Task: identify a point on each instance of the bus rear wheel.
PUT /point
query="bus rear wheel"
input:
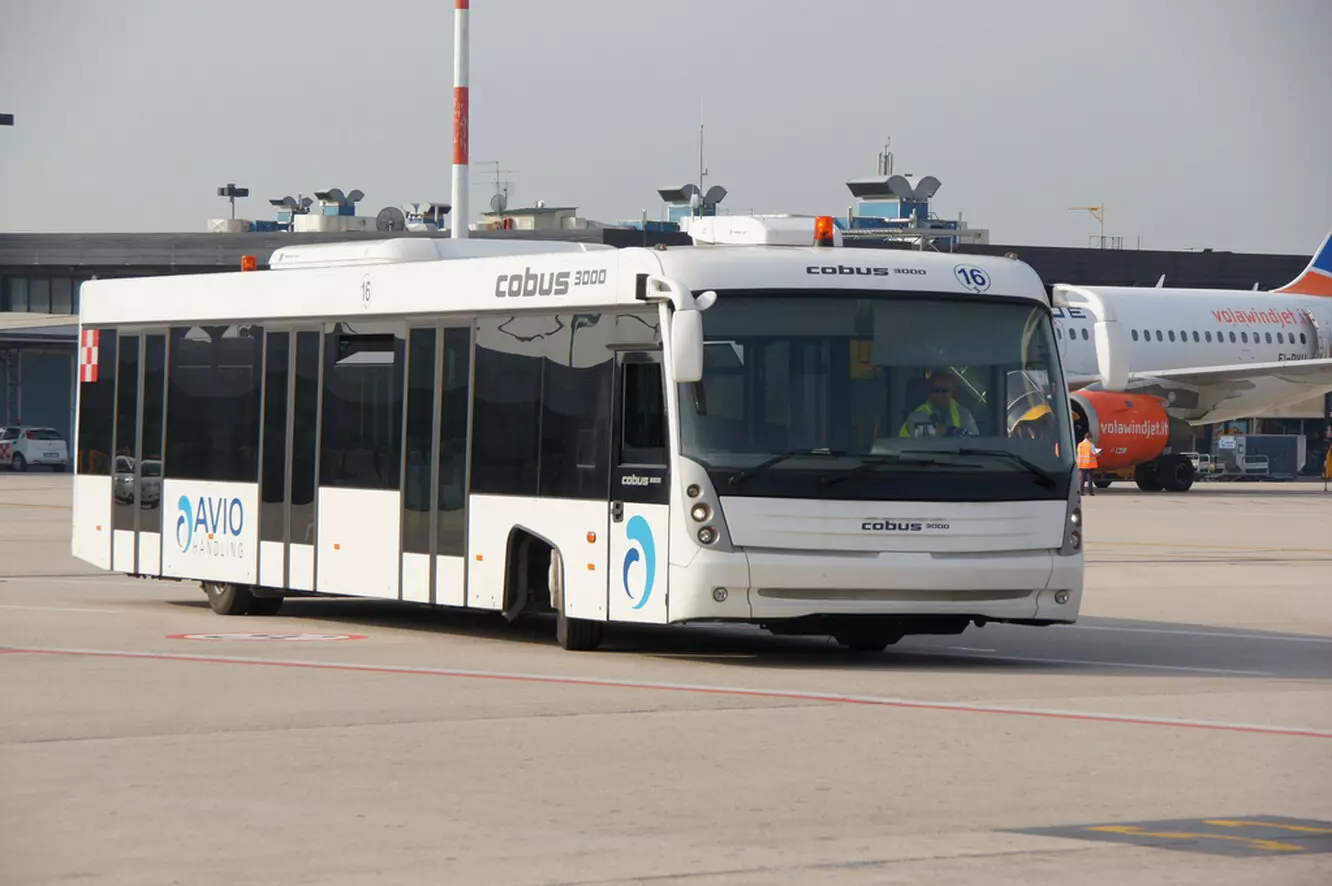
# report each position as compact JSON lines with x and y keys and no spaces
{"x":266,"y":605}
{"x":228,"y":599}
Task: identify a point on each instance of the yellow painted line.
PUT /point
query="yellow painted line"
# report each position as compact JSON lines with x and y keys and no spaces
{"x":1303,"y":829}
{"x":1134,"y":830}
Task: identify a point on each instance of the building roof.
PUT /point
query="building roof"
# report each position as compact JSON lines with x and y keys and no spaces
{"x":199,"y":250}
{"x":23,"y":328}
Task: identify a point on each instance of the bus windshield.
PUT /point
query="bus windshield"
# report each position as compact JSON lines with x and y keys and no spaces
{"x":879,"y":397}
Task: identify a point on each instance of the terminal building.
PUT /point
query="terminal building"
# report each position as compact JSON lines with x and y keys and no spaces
{"x":41,"y":274}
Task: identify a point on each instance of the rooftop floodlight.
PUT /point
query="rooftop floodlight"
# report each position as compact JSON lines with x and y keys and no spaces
{"x":231,"y":192}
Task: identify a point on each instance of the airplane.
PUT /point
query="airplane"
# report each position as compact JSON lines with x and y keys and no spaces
{"x":1146,"y":365}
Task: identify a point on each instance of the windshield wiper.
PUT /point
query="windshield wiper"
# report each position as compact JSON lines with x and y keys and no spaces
{"x":1030,"y":466}
{"x":871,"y":462}
{"x":741,"y":476}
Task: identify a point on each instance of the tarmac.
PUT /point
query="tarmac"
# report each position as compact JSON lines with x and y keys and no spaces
{"x":1181,"y":732}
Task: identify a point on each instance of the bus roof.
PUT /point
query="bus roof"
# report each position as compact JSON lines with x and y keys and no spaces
{"x":415,"y":276}
{"x":413,"y":249}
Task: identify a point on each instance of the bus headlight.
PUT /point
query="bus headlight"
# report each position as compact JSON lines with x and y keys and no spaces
{"x":1072,"y":532}
{"x":707,"y":535}
{"x":700,"y":512}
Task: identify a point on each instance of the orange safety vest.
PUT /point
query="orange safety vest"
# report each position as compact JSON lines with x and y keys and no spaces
{"x":1086,"y":456}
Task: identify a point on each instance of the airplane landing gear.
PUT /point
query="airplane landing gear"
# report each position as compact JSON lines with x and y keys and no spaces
{"x":1172,"y":473}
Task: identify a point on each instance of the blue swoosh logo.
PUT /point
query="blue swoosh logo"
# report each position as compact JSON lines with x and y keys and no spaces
{"x":639,"y":532}
{"x":185,"y":523}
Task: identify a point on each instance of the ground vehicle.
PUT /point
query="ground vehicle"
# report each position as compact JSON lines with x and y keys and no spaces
{"x":22,"y":447}
{"x":576,"y":431}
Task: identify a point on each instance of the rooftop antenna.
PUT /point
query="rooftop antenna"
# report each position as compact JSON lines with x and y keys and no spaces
{"x":461,"y":9}
{"x":886,"y":159}
{"x":702,"y":169}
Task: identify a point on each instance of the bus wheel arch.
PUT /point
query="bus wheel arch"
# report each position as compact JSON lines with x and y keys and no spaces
{"x":528,"y":560}
{"x":534,"y":578}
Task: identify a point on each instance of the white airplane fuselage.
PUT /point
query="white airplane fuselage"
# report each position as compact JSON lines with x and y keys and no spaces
{"x":1172,"y":331}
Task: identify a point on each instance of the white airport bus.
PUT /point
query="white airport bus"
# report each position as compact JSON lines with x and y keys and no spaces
{"x":763,"y":427}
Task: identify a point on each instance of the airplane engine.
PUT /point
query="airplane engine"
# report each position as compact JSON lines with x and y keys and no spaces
{"x":1135,"y":432}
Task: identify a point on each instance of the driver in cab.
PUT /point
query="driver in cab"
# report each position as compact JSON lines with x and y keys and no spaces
{"x":940,"y":415}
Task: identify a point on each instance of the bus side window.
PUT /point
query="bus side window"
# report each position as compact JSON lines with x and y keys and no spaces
{"x":643,"y":438}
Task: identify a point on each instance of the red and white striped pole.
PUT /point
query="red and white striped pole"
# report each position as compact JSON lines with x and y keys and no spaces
{"x":459,"y":211}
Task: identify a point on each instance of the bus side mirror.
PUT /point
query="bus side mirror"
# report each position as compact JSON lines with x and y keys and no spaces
{"x":687,"y":346}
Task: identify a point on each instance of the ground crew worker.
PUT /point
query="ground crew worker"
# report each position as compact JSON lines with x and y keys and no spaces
{"x":1087,"y":463}
{"x":940,"y":415}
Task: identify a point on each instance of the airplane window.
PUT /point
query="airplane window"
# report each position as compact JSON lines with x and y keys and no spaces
{"x":1268,"y":336}
{"x":1135,"y":335}
{"x":1232,"y":338}
{"x":1302,"y":338}
{"x":1183,"y":335}
{"x":1158,"y":335}
{"x":1059,"y":332}
{"x":1171,"y":333}
{"x":1244,"y":337}
{"x":1195,"y":335}
{"x":1084,"y":335}
{"x":1209,"y":336}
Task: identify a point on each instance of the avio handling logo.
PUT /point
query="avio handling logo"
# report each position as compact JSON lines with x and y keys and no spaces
{"x":184,"y":523}
{"x":210,"y":526}
{"x":640,"y":534}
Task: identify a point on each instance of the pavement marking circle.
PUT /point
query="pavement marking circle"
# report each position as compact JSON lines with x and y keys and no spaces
{"x":262,"y":636}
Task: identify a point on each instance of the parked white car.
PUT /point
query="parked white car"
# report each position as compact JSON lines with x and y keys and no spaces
{"x":150,"y":482}
{"x":23,"y":447}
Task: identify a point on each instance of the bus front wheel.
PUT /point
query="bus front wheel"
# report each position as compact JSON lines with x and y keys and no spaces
{"x":577,"y":634}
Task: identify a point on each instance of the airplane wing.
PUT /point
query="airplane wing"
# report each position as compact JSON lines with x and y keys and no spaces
{"x":1076,"y":380}
{"x":1299,"y":372}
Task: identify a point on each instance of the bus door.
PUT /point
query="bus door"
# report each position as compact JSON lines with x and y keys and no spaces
{"x":639,"y":518}
{"x":434,"y":464}
{"x":287,"y":472}
{"x":136,"y":484}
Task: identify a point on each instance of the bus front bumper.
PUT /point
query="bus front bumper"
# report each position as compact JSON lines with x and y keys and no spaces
{"x":765,"y":586}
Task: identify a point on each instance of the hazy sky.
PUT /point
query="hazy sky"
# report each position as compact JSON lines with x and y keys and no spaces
{"x":1197,"y":123}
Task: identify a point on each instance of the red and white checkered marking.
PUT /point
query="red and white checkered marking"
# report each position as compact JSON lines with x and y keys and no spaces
{"x":88,"y":354}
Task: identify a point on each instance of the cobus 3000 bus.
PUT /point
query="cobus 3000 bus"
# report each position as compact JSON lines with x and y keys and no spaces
{"x":761,"y":427}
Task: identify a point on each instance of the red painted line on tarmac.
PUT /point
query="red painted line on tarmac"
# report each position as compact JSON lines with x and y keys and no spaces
{"x":782,"y":694}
